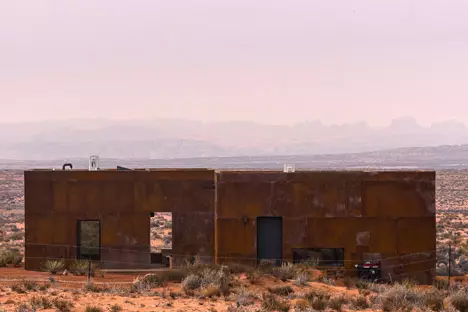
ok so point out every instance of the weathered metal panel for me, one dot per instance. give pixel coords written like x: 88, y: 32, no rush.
x: 357, y: 211
x: 56, y: 200
x: 416, y: 235
x: 236, y: 240
x: 394, y: 199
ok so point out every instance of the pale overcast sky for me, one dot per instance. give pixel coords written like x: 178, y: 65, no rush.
x: 261, y: 60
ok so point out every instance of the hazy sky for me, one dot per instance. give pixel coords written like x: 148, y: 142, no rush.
x: 263, y: 60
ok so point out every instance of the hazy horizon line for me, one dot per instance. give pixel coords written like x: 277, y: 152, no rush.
x: 305, y: 121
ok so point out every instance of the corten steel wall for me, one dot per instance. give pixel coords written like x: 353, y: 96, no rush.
x: 378, y: 214
x: 122, y: 201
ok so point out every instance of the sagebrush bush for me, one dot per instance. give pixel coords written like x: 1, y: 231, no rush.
x: 285, y: 272
x: 191, y: 282
x: 434, y: 299
x: 460, y: 300
x: 10, y: 257
x: 244, y: 297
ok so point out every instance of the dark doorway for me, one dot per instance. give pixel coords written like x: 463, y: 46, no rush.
x: 89, y: 239
x: 270, y: 239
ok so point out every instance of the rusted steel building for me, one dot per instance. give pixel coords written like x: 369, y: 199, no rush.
x: 338, y: 217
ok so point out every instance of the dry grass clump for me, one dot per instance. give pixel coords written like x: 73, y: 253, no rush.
x: 302, y: 278
x: 24, y: 286
x: 93, y: 309
x: 62, y: 305
x: 115, y: 308
x: 401, y: 298
x: 53, y: 266
x: 244, y: 297
x: 271, y: 302
x: 460, y: 300
x: 40, y: 303
x: 145, y: 283
x: 281, y: 290
x: 361, y: 303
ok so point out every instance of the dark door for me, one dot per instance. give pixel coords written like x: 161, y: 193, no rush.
x: 89, y: 239
x: 270, y: 239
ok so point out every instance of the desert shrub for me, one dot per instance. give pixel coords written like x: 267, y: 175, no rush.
x: 62, y: 305
x: 434, y: 300
x: 18, y: 288
x: 30, y: 285
x: 153, y: 280
x: 361, y: 303
x: 115, y: 308
x: 349, y: 282
x: 327, y: 280
x: 460, y: 300
x: 320, y: 303
x: 10, y: 257
x: 24, y: 308
x: 441, y: 284
x: 90, y: 287
x: 24, y: 286
x: 266, y: 266
x: 272, y: 303
x: 40, y: 303
x: 253, y: 277
x: 191, y: 283
x: 244, y: 297
x: 93, y: 309
x: 281, y: 290
x: 336, y: 303
x: 79, y: 267
x: 53, y: 266
x: 402, y: 298
x: 302, y: 278
x: 302, y: 305
x: 285, y: 272
x: 207, y: 277
x: 316, y: 293
x: 361, y: 284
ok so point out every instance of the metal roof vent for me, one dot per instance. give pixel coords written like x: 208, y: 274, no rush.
x: 93, y: 163
x: 288, y: 168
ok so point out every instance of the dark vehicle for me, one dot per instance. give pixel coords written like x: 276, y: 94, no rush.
x: 369, y: 271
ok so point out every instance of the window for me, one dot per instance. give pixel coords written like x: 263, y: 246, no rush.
x: 89, y: 239
x: 160, y: 231
x: 320, y: 256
